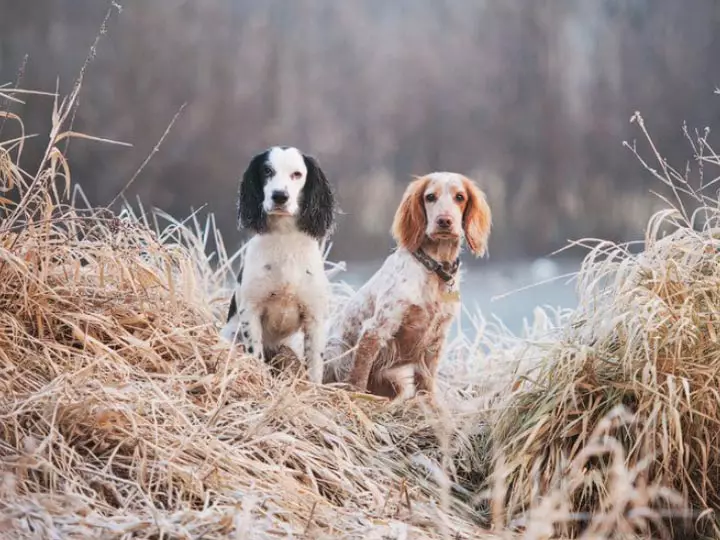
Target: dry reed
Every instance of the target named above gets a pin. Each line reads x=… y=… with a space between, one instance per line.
x=644 y=337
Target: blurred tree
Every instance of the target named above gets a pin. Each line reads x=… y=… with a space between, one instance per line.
x=532 y=97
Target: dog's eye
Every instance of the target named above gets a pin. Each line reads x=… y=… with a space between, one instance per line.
x=459 y=197
x=430 y=197
x=267 y=171
x=296 y=175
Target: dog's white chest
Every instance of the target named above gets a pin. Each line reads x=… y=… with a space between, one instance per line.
x=283 y=272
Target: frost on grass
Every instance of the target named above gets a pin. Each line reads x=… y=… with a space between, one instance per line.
x=644 y=337
x=124 y=414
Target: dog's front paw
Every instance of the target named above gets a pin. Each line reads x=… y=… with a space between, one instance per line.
x=315 y=373
x=229 y=333
x=254 y=350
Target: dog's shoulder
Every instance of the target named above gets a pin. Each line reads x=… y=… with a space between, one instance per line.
x=396 y=284
x=402 y=278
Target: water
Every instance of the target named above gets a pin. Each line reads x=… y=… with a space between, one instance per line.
x=485 y=287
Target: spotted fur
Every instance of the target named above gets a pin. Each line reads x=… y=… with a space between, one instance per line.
x=390 y=336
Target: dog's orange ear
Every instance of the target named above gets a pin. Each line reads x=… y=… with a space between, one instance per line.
x=409 y=224
x=477 y=219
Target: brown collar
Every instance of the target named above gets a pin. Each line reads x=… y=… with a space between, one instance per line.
x=445 y=271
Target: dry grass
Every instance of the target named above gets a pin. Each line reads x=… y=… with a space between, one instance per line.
x=124 y=415
x=645 y=337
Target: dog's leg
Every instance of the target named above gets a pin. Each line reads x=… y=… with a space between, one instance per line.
x=368 y=348
x=376 y=334
x=230 y=331
x=246 y=330
x=426 y=371
x=314 y=331
x=243 y=326
x=251 y=327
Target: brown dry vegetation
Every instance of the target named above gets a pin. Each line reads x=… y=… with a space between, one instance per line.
x=124 y=415
x=644 y=337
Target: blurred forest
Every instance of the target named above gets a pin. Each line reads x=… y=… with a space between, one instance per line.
x=532 y=98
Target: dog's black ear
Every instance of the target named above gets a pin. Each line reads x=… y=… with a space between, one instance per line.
x=250 y=198
x=317 y=208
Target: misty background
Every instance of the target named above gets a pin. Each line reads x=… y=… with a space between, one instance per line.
x=531 y=98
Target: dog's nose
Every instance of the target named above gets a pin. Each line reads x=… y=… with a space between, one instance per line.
x=279 y=197
x=444 y=222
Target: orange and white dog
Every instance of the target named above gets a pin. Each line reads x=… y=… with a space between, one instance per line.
x=391 y=333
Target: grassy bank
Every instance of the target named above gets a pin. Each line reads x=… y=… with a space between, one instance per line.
x=124 y=415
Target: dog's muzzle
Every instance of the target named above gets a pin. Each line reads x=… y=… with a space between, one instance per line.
x=279 y=199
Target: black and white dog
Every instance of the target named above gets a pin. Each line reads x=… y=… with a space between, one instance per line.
x=286 y=201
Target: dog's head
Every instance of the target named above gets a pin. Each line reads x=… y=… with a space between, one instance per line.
x=284 y=182
x=443 y=206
